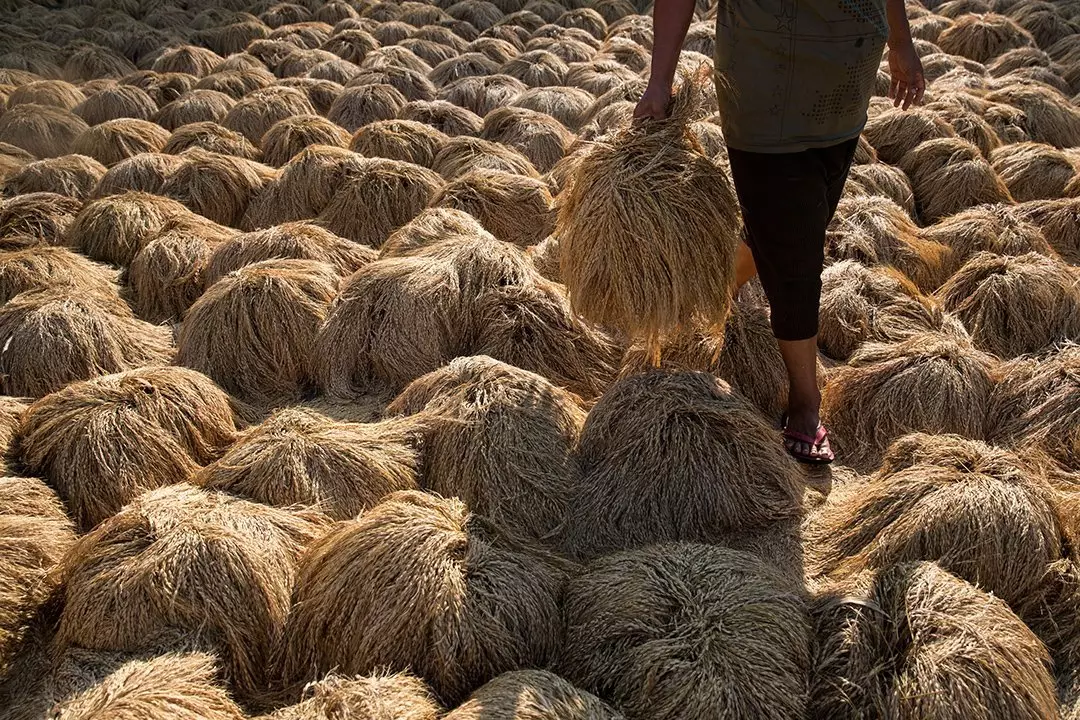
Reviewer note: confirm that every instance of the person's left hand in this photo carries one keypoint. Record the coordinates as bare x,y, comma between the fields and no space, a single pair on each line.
905,68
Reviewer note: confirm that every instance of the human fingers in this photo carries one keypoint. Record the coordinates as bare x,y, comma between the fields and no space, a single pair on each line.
920,87
894,82
900,94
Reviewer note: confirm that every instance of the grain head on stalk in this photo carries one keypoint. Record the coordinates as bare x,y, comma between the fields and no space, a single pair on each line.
39,268
212,137
648,228
75,176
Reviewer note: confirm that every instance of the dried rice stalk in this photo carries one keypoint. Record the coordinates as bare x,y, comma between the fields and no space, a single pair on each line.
400,696
532,695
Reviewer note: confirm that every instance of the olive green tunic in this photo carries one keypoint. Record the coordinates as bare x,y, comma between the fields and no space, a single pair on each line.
796,74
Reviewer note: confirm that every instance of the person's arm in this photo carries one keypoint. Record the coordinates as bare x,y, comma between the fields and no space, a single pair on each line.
905,67
671,20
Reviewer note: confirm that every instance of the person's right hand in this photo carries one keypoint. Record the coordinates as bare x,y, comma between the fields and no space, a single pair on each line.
654,103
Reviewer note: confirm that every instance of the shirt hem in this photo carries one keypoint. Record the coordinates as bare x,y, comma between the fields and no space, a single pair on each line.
795,146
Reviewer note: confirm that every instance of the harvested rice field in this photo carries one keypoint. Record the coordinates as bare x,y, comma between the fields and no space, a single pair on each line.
300,421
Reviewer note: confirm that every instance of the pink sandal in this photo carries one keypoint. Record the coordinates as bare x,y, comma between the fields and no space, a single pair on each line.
820,451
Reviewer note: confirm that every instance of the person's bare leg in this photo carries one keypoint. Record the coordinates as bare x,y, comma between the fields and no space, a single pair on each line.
745,269
804,397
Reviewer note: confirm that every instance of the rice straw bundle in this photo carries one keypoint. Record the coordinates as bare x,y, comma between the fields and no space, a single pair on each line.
876,304
295,240
568,105
997,229
237,83
304,186
211,137
406,140
968,124
34,543
913,641
532,327
1033,171
499,49
481,602
1015,305
168,421
40,218
76,176
115,229
41,130
1049,117
83,336
254,330
144,173
459,155
320,93
377,197
541,138
1037,402
882,179
173,686
676,425
1059,221
301,457
357,106
401,696
482,94
896,132
926,383
54,93
532,695
438,226
217,568
983,37
738,635
195,106
875,230
979,512
515,208
188,59
160,88
500,438
392,321
168,274
40,268
218,187
648,229
443,116
116,140
949,175
259,110
413,84
288,137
